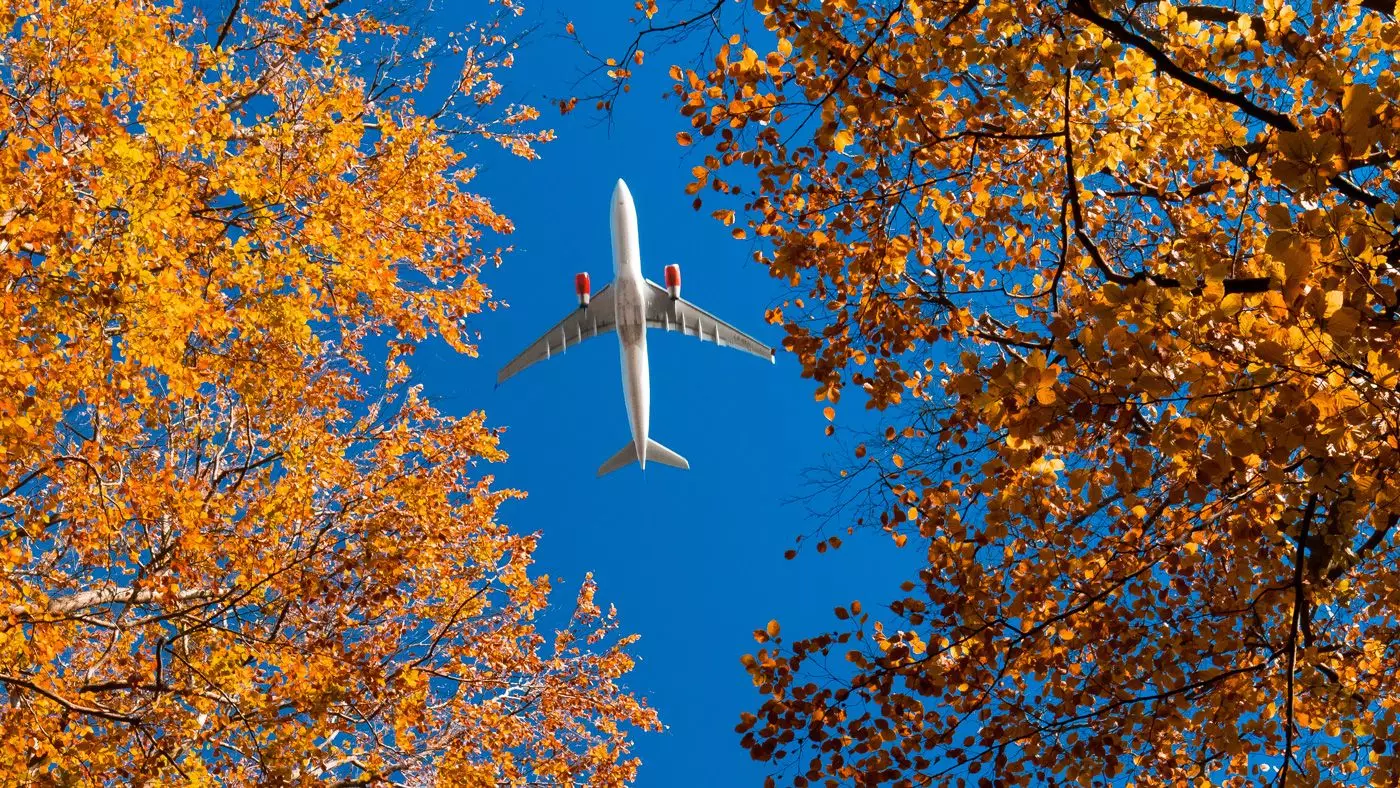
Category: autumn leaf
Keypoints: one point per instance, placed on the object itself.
(842, 140)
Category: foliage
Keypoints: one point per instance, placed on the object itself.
(1123, 277)
(235, 546)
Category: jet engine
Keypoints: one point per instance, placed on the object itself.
(673, 281)
(584, 288)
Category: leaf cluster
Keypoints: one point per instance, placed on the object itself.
(236, 547)
(1123, 279)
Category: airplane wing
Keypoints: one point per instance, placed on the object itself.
(681, 315)
(599, 317)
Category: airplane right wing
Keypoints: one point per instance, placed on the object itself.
(586, 322)
(678, 314)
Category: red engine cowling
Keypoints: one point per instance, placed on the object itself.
(584, 288)
(673, 281)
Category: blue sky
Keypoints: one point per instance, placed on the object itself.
(692, 560)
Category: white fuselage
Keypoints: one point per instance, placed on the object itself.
(630, 302)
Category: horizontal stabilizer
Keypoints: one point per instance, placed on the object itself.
(627, 456)
(655, 452)
(665, 456)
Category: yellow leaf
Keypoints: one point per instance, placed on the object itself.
(1359, 106)
(1333, 302)
(842, 139)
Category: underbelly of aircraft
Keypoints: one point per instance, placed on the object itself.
(631, 316)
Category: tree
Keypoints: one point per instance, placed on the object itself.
(1123, 279)
(236, 546)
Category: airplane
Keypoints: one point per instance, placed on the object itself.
(629, 306)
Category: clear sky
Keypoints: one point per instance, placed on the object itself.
(692, 560)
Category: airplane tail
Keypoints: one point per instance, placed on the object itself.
(655, 452)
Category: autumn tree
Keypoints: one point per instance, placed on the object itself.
(1122, 279)
(236, 546)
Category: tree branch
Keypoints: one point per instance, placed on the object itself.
(1085, 11)
(1299, 600)
(95, 711)
(86, 599)
(1249, 284)
(1224, 16)
(227, 26)
(1370, 544)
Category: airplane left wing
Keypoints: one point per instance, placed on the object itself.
(586, 322)
(678, 314)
